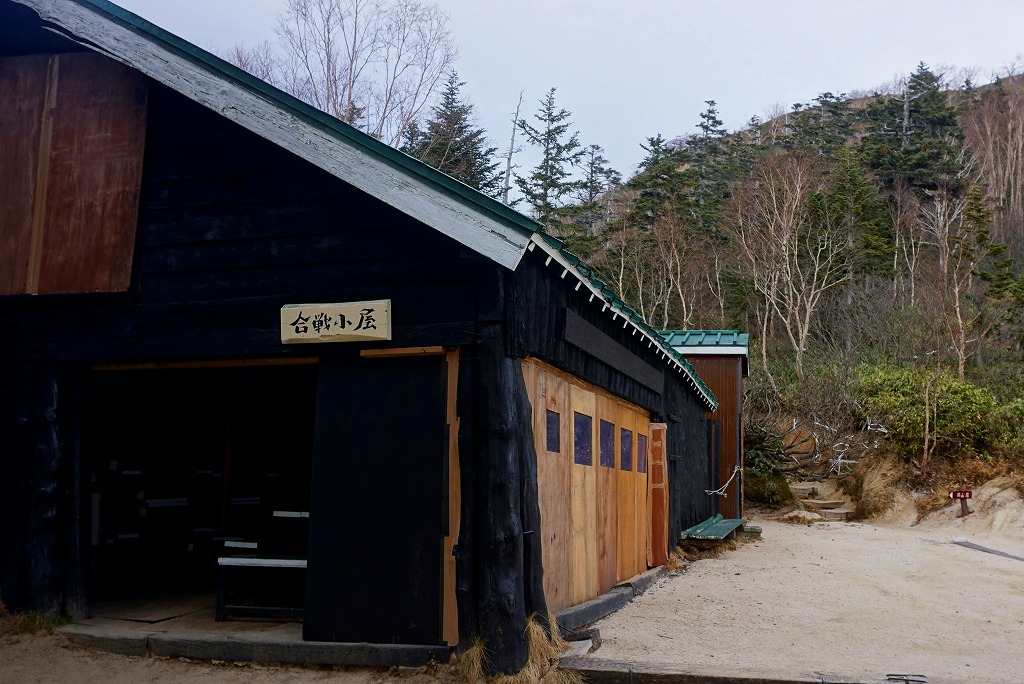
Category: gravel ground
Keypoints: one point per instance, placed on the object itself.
(841, 599)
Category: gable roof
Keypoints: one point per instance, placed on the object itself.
(709, 343)
(479, 222)
(414, 188)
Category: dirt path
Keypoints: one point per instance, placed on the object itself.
(836, 598)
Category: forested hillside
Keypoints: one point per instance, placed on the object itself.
(871, 246)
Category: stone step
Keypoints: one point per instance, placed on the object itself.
(821, 504)
(802, 490)
(836, 513)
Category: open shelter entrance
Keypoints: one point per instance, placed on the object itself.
(183, 464)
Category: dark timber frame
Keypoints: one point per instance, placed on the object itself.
(249, 200)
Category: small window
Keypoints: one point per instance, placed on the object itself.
(626, 443)
(607, 445)
(554, 432)
(641, 453)
(583, 453)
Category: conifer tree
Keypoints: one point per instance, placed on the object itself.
(551, 180)
(825, 125)
(915, 135)
(707, 174)
(598, 178)
(451, 142)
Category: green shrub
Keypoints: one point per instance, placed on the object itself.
(766, 488)
(960, 412)
(1006, 430)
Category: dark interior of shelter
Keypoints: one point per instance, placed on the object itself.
(184, 465)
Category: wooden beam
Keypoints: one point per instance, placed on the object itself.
(223, 363)
(449, 606)
(589, 338)
(404, 351)
(35, 253)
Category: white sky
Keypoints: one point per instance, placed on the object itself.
(629, 69)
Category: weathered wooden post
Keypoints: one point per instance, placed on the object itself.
(963, 495)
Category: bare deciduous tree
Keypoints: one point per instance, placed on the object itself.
(371, 63)
(793, 256)
(994, 128)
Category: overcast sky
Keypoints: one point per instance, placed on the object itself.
(629, 69)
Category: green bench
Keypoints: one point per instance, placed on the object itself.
(713, 529)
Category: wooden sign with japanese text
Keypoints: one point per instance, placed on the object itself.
(345, 322)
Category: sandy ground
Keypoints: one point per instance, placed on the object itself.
(48, 659)
(847, 599)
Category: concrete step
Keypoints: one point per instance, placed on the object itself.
(821, 504)
(836, 513)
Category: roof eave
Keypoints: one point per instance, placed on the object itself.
(671, 357)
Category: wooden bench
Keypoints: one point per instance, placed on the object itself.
(276, 558)
(224, 607)
(716, 529)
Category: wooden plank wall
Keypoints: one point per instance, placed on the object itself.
(72, 133)
(724, 375)
(583, 581)
(593, 516)
(688, 464)
(21, 115)
(549, 392)
(607, 493)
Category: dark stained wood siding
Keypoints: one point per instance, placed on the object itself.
(232, 227)
(688, 465)
(724, 375)
(538, 300)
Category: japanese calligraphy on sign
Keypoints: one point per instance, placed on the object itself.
(347, 322)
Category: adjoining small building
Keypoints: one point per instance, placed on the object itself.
(239, 337)
(720, 357)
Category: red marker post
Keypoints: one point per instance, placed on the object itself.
(963, 495)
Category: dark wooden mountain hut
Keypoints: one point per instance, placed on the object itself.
(238, 335)
(720, 357)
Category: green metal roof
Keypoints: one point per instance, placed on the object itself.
(705, 338)
(620, 308)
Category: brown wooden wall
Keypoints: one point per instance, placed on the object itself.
(72, 133)
(594, 516)
(724, 375)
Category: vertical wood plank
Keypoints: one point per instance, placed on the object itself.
(657, 496)
(640, 491)
(90, 209)
(607, 504)
(584, 582)
(39, 206)
(550, 392)
(23, 84)
(626, 542)
(450, 615)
